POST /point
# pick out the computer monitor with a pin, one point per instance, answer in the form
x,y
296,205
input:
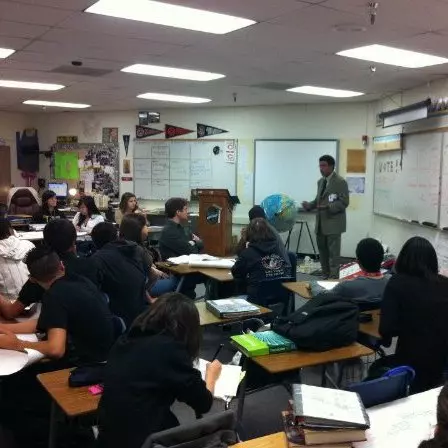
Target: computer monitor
x,y
60,188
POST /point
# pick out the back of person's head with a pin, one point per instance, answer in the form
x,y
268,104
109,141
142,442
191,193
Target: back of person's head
x,y
124,201
44,265
60,235
256,212
103,233
259,230
131,227
172,314
328,159
418,258
440,439
370,254
89,202
5,229
174,205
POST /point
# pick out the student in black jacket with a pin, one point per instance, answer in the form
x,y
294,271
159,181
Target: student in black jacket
x,y
415,308
150,368
262,259
49,209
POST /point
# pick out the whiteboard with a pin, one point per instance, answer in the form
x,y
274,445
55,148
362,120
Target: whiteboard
x,y
290,167
164,169
407,183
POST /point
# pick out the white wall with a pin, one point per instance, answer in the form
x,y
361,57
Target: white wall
x,y
9,124
344,121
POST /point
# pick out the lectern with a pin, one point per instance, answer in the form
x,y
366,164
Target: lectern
x,y
215,220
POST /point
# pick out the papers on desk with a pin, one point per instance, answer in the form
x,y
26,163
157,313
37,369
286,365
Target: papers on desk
x,y
327,285
12,361
228,381
39,235
37,227
203,261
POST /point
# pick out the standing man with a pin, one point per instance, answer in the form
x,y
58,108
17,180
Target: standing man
x,y
331,201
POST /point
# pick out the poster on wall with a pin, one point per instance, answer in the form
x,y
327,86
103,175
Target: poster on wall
x,y
110,135
66,165
175,131
126,166
143,131
145,118
204,130
356,161
126,139
356,184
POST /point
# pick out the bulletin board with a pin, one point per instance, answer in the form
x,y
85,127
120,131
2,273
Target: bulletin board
x,y
98,166
172,168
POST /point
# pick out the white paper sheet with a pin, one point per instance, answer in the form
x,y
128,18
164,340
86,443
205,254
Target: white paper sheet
x,y
12,361
327,285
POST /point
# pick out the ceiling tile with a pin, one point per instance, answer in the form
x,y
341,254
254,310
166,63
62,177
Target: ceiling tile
x,y
24,30
73,5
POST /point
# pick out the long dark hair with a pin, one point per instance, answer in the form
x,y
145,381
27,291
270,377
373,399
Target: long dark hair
x,y
48,194
172,314
5,229
440,439
131,227
258,230
92,209
418,258
124,202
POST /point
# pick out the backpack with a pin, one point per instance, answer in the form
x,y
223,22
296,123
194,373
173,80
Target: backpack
x,y
325,322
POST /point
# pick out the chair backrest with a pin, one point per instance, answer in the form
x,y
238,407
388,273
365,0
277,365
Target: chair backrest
x,y
393,385
293,260
272,294
216,430
23,202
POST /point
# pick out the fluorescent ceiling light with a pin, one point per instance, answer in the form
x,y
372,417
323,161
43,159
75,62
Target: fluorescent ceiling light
x,y
56,104
171,72
30,85
170,15
5,52
393,56
323,91
174,98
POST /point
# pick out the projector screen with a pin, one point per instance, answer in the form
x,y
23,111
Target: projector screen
x,y
290,167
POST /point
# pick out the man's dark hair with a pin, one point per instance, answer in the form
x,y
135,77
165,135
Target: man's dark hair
x,y
60,235
256,212
370,254
5,229
175,315
328,159
103,233
174,205
43,263
131,227
418,258
259,230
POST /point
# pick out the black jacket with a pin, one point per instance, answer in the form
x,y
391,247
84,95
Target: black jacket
x,y
258,262
144,375
123,275
174,241
416,310
43,216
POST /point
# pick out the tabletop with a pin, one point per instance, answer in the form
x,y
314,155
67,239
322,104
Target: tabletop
x,y
300,288
177,269
371,328
74,401
218,274
37,236
277,440
297,359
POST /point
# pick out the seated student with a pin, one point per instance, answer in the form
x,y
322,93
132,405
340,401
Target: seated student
x,y
73,309
262,259
440,439
151,367
128,205
48,210
367,289
13,271
88,216
123,272
134,228
415,308
258,212
103,233
174,240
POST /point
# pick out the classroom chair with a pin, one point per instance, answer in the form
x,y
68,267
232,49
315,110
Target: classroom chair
x,y
394,384
23,202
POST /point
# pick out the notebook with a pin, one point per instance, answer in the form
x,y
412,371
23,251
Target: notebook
x,y
319,407
231,307
12,361
228,381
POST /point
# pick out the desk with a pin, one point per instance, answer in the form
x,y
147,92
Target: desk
x,y
277,440
73,402
208,318
39,236
217,274
300,288
371,328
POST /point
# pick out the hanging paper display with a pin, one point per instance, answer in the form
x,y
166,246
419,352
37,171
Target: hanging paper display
x,y
143,131
126,166
66,165
110,135
126,139
204,131
175,131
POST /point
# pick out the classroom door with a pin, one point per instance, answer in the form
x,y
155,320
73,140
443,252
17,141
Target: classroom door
x,y
5,173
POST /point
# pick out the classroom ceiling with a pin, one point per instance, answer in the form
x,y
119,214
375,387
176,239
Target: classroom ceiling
x,y
293,44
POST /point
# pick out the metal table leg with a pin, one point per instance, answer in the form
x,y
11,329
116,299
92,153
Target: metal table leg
x,y
52,438
181,282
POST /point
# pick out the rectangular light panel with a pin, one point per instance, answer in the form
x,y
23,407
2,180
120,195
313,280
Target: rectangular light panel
x,y
171,72
323,91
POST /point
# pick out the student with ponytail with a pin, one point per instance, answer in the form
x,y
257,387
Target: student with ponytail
x,y
440,439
